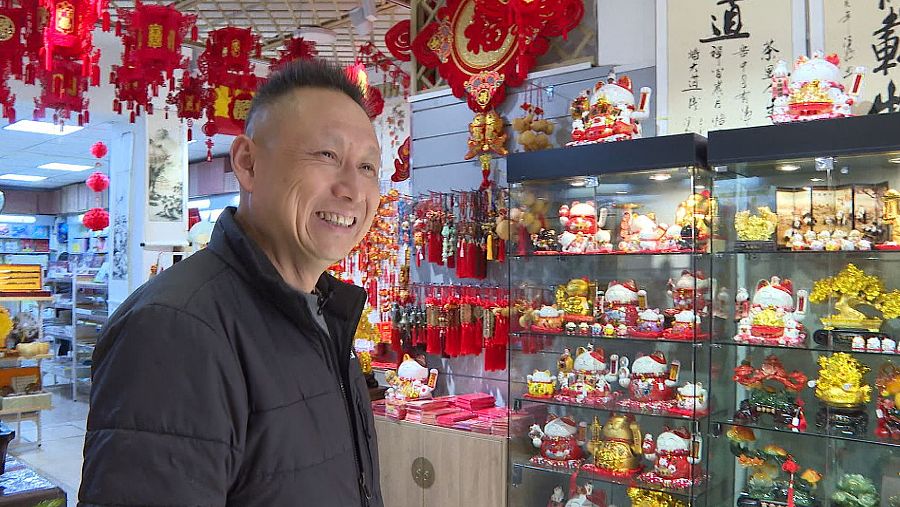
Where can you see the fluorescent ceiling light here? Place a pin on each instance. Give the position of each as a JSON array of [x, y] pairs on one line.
[[661, 177], [621, 192], [700, 187], [816, 180], [17, 219], [60, 166], [578, 183], [199, 204], [894, 160], [788, 167], [22, 177], [42, 127]]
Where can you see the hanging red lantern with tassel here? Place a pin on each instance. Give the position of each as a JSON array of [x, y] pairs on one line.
[[68, 33], [97, 182], [12, 54], [228, 73], [62, 90], [189, 100], [97, 218]]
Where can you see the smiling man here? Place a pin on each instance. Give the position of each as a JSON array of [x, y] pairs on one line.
[[229, 379]]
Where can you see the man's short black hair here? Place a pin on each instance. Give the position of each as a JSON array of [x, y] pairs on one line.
[[306, 73]]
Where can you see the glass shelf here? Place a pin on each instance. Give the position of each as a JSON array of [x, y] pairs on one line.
[[693, 493], [611, 407], [814, 348], [560, 256], [874, 254], [812, 430], [603, 339]]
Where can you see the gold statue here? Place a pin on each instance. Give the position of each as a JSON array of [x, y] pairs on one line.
[[755, 228], [574, 298], [853, 287], [644, 498], [616, 447], [840, 383], [891, 214]]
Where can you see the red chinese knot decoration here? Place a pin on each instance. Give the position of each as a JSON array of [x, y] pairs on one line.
[[401, 163], [189, 100]]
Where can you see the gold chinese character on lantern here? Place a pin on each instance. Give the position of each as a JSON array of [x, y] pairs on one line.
[[241, 109], [235, 48], [7, 28], [65, 18], [154, 36]]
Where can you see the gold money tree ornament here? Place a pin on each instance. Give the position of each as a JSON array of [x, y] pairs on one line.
[[841, 382], [853, 288], [759, 227]]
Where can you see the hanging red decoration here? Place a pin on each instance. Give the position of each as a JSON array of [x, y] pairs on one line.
[[401, 163], [370, 56], [67, 34], [133, 90], [62, 90], [99, 149], [295, 48], [12, 54], [36, 19], [98, 182], [397, 40], [96, 219], [227, 71], [189, 100], [372, 95]]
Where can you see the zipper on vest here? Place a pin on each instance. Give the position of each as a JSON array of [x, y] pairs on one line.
[[365, 494]]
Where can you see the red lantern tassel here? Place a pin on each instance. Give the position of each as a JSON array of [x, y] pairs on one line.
[[454, 336], [434, 248], [501, 250], [395, 341], [501, 331], [469, 344], [105, 23], [190, 134], [521, 247], [195, 33], [433, 340], [118, 28]]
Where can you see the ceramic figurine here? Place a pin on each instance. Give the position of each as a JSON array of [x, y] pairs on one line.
[[693, 215], [548, 319], [650, 324], [621, 302], [589, 380], [773, 316], [545, 241], [541, 384], [842, 388], [412, 381], [689, 292], [686, 326], [691, 399], [584, 496], [813, 90], [887, 408], [575, 298], [651, 383], [675, 456], [764, 396], [615, 447], [559, 443], [557, 498], [609, 113], [583, 228], [640, 233]]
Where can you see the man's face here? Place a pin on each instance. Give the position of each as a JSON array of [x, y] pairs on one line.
[[315, 186]]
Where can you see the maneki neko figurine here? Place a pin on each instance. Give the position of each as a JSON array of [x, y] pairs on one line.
[[813, 90], [547, 319], [689, 292], [651, 383], [685, 326], [691, 399], [641, 233], [412, 381], [650, 324], [887, 409], [589, 380], [615, 447], [676, 457], [541, 384], [784, 405], [583, 229], [693, 216], [842, 388], [772, 317], [559, 441], [575, 298], [609, 113], [621, 303]]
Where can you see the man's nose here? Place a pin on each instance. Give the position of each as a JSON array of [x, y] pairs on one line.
[[347, 185]]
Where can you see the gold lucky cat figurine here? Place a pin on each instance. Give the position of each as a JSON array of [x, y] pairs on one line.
[[615, 446]]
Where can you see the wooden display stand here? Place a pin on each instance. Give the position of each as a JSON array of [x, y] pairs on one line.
[[424, 465]]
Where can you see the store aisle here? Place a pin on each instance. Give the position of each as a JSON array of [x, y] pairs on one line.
[[59, 458]]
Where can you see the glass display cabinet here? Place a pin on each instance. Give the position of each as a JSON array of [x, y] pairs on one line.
[[610, 261], [806, 292]]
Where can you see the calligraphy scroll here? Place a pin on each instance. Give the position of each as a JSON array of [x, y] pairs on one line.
[[867, 33], [720, 57]]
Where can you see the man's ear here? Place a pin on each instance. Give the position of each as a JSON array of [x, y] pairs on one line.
[[242, 158]]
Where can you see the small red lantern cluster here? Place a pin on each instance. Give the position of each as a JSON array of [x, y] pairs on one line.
[[97, 218], [152, 36], [226, 69], [189, 100]]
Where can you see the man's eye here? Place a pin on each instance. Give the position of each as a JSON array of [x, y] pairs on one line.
[[328, 154], [369, 168]]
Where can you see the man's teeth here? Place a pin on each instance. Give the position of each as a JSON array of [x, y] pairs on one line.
[[334, 218]]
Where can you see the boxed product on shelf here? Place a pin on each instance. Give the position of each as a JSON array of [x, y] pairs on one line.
[[26, 402]]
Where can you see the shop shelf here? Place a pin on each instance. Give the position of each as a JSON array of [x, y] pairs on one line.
[[604, 340], [811, 431], [610, 407], [810, 346], [693, 494], [564, 256]]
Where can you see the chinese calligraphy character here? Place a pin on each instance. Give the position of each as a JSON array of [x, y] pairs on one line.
[[732, 24], [694, 54], [847, 10], [743, 51], [890, 104], [769, 50], [886, 49], [693, 103]]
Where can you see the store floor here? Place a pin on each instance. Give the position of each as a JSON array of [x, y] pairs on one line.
[[60, 457]]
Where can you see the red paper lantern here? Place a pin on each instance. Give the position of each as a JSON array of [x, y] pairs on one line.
[[12, 55], [153, 35], [68, 33], [133, 90], [62, 89], [96, 219], [98, 182], [189, 100], [99, 149], [296, 48]]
